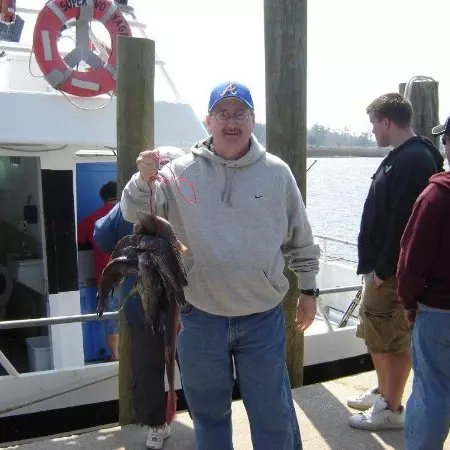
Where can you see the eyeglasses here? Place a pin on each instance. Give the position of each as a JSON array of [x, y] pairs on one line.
[[239, 117]]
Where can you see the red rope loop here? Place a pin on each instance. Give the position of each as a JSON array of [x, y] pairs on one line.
[[184, 187]]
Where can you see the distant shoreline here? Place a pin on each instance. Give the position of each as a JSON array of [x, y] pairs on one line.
[[327, 152]]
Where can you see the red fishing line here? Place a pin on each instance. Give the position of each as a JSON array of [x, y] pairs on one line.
[[189, 197]]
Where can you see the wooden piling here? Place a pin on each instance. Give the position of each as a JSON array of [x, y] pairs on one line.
[[285, 55], [135, 133], [424, 97]]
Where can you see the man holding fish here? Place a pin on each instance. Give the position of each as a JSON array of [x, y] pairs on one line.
[[248, 214]]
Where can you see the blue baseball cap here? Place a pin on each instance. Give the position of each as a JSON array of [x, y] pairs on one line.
[[230, 89]]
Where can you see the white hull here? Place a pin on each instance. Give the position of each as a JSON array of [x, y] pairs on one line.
[[99, 383]]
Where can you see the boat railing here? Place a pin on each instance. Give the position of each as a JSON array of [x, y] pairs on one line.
[[325, 240], [45, 321]]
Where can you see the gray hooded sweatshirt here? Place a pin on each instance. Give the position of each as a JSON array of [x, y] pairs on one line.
[[247, 215]]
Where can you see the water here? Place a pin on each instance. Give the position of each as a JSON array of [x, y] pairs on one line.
[[336, 191]]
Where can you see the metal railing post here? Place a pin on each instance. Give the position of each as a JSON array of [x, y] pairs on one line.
[[4, 361]]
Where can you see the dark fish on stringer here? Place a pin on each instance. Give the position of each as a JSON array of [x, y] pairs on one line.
[[153, 253], [150, 289], [153, 225], [174, 278], [125, 263]]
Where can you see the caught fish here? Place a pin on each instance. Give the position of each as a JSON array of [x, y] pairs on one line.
[[120, 265], [174, 279], [153, 253], [150, 288], [153, 225]]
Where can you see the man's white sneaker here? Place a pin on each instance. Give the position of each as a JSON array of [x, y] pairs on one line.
[[364, 400], [157, 436], [378, 417]]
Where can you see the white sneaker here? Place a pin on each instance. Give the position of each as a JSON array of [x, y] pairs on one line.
[[157, 436], [378, 417], [364, 400]]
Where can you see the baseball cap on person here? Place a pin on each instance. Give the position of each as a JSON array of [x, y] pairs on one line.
[[230, 89], [441, 129]]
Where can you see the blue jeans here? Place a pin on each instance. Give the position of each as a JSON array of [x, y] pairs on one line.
[[112, 304], [427, 421], [207, 347]]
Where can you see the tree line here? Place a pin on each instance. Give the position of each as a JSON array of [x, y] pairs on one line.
[[323, 136]]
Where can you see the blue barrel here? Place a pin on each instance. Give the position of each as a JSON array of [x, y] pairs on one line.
[[94, 339], [90, 178]]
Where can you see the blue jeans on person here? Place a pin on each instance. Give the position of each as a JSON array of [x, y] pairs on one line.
[[427, 420], [112, 304], [207, 347]]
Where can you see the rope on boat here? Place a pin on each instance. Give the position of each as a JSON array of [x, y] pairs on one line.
[[51, 396]]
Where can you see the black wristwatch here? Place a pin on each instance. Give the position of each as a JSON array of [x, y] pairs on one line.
[[310, 292]]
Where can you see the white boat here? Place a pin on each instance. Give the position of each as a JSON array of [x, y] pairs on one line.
[[47, 146]]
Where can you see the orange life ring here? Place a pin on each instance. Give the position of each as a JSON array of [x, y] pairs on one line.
[[102, 78]]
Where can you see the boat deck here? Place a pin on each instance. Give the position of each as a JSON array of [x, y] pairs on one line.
[[321, 409]]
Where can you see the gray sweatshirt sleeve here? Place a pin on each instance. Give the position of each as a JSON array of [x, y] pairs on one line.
[[136, 196], [299, 243]]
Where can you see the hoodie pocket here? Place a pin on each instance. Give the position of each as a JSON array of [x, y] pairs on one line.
[[231, 289], [275, 289]]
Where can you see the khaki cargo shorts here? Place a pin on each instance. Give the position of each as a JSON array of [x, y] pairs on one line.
[[382, 321]]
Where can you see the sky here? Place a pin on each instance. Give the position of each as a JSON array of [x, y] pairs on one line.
[[357, 50]]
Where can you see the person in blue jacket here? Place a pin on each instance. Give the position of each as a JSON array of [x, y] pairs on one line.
[[148, 388]]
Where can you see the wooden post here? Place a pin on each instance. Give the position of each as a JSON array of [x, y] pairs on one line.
[[135, 133], [424, 97], [285, 50]]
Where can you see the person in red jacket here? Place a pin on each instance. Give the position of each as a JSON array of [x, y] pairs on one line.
[[108, 194], [423, 274]]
